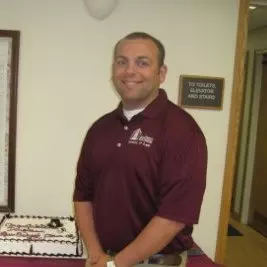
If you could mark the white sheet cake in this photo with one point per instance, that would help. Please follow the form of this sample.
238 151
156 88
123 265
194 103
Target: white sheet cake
39 236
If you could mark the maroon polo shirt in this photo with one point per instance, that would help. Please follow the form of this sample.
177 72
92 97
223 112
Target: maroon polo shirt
154 164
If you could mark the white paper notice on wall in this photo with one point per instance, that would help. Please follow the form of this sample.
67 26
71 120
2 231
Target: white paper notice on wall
5 57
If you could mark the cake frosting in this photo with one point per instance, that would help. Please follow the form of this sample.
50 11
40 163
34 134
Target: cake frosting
39 236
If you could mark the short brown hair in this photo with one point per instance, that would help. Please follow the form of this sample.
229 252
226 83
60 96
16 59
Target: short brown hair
143 35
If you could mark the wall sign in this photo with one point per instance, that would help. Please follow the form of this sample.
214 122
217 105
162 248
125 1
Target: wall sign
201 92
9 54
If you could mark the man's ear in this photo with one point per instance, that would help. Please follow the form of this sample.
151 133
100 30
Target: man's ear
162 73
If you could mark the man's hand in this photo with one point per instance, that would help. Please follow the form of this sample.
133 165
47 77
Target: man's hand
99 261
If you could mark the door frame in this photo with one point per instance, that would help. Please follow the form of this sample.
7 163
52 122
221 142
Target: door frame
233 131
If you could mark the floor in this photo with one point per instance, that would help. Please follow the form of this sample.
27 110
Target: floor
248 250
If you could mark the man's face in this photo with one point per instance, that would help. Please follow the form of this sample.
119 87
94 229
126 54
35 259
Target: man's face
136 74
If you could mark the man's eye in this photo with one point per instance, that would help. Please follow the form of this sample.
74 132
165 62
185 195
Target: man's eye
142 63
120 62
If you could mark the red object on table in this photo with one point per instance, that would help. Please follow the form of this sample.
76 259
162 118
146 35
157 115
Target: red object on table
193 261
40 262
200 261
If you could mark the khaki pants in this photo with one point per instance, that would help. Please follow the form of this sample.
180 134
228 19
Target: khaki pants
182 264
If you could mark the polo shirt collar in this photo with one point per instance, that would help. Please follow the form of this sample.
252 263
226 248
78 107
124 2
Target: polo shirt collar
152 110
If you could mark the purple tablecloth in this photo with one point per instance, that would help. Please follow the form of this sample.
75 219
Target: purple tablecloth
39 262
194 261
200 261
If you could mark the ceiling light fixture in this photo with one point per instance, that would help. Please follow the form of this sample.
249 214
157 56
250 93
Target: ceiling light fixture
100 9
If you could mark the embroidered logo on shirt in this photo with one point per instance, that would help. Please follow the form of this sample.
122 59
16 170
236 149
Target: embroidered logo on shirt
138 138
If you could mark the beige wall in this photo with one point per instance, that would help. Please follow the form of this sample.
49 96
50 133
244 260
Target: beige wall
64 86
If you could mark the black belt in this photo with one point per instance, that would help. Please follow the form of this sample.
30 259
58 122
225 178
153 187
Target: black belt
164 259
174 259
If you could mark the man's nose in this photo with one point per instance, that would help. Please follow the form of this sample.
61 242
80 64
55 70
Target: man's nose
131 68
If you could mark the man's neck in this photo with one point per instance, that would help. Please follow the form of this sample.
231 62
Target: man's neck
134 105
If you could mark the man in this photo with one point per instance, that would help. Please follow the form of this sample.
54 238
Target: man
142 169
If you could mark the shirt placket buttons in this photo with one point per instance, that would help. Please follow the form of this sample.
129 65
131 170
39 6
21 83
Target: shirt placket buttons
126 128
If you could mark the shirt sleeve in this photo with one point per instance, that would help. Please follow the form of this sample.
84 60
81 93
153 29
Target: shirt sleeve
183 178
83 188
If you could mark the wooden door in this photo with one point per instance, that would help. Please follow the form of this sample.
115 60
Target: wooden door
258 204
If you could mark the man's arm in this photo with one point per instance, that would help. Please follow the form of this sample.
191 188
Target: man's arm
85 221
154 237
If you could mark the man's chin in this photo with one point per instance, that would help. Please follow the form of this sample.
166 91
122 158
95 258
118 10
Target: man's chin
130 99
130 95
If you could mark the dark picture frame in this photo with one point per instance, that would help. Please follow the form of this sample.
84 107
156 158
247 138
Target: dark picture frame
9 68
